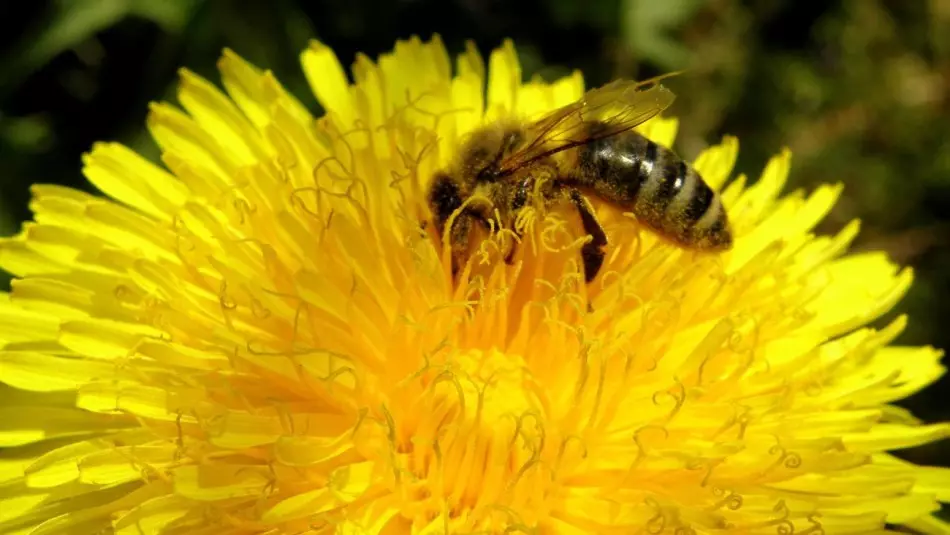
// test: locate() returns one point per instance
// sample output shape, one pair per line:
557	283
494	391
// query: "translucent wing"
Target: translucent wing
620	105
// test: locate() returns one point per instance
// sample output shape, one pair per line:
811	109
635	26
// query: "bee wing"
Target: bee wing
621	105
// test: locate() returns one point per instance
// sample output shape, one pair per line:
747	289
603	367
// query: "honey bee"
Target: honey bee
587	148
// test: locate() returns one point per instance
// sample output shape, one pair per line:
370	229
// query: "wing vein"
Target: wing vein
616	107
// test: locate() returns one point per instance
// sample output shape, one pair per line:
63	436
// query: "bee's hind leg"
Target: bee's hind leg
510	255
592	253
459	240
460	237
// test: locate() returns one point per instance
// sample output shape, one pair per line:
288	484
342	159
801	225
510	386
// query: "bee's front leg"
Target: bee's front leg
592	253
518	200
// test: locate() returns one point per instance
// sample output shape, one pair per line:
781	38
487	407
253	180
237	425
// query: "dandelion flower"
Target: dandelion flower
258	336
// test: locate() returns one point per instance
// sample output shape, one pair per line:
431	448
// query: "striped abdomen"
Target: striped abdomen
661	190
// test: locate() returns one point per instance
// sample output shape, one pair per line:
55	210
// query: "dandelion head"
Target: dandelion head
263	334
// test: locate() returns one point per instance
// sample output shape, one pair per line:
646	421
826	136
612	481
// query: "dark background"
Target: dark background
858	89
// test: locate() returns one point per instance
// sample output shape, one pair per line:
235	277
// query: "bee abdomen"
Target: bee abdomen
616	167
661	189
677	202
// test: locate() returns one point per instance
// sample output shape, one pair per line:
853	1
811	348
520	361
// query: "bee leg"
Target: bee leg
592	253
517	203
510	256
445	197
459	240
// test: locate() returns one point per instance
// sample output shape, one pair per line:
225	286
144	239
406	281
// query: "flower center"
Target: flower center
468	449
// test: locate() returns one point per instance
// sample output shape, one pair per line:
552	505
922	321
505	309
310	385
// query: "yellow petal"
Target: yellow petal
121	464
933	480
19	259
11	469
104	339
504	78
90	513
305	450
127	177
216	115
300	505
15	507
219	482
567	90
59	466
152	516
19	325
661	130
715	163
349	482
25	425
884	437
181	136
328	81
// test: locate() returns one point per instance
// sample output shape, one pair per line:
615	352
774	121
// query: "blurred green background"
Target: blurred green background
858	89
